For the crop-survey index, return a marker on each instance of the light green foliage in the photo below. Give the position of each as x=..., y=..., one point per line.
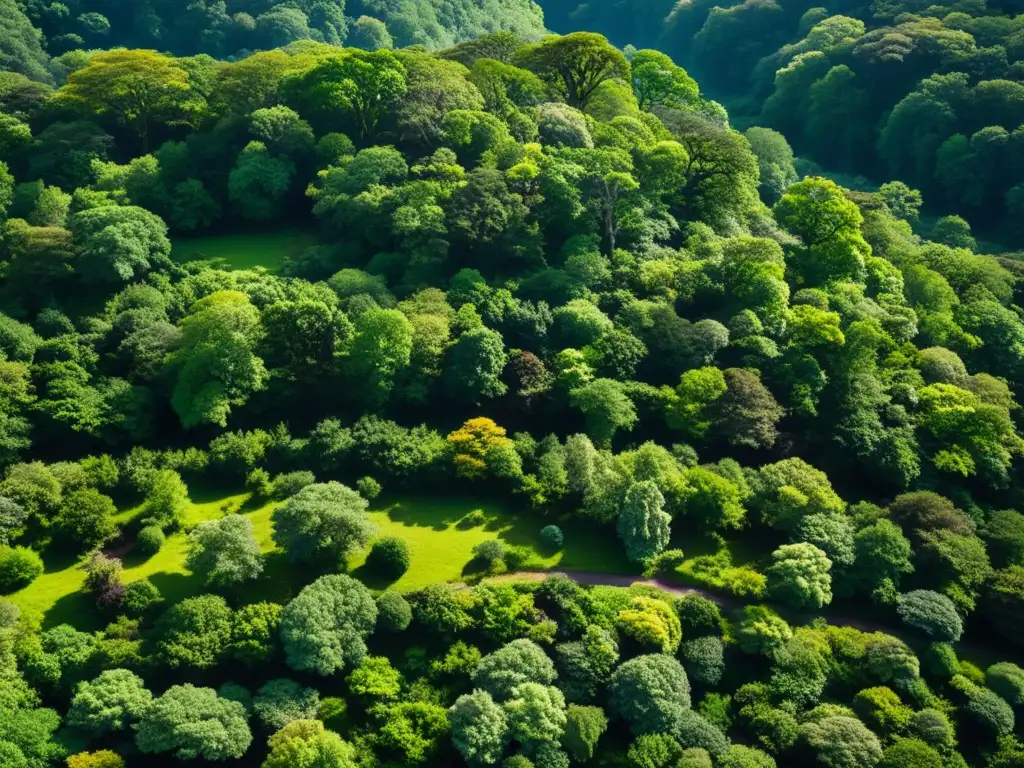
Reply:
x=307, y=744
x=643, y=526
x=215, y=367
x=762, y=630
x=114, y=699
x=254, y=632
x=224, y=552
x=195, y=632
x=583, y=729
x=194, y=723
x=375, y=679
x=799, y=575
x=324, y=518
x=842, y=742
x=479, y=728
x=652, y=623
x=323, y=628
x=517, y=662
x=535, y=714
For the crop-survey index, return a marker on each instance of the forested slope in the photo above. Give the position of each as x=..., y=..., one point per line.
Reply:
x=932, y=95
x=547, y=273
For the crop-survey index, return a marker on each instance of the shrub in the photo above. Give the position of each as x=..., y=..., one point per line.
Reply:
x=368, y=488
x=258, y=483
x=389, y=557
x=694, y=730
x=281, y=701
x=141, y=597
x=490, y=553
x=19, y=567
x=473, y=519
x=931, y=613
x=290, y=483
x=699, y=616
x=985, y=707
x=1007, y=680
x=150, y=540
x=939, y=659
x=704, y=659
x=932, y=727
x=552, y=538
x=910, y=753
x=394, y=613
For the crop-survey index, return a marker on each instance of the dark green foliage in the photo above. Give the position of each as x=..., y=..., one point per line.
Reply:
x=150, y=539
x=389, y=557
x=393, y=612
x=650, y=693
x=551, y=537
x=931, y=613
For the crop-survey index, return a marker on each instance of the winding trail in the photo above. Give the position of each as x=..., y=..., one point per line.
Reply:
x=728, y=602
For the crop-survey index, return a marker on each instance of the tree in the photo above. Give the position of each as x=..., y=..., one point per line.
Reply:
x=842, y=742
x=86, y=519
x=762, y=630
x=583, y=729
x=931, y=613
x=535, y=714
x=307, y=744
x=910, y=753
x=477, y=361
x=693, y=730
x=215, y=366
x=282, y=701
x=389, y=557
x=254, y=629
x=259, y=182
x=658, y=82
x=1007, y=680
x=323, y=629
x=650, y=622
x=1004, y=537
x=586, y=664
x=110, y=702
x=194, y=723
x=479, y=728
x=224, y=552
x=605, y=407
x=984, y=707
x=195, y=632
x=520, y=661
x=704, y=659
x=322, y=519
x=137, y=88
x=799, y=575
x=643, y=524
x=576, y=63
x=19, y=567
x=375, y=679
x=381, y=350
x=119, y=243
x=363, y=85
x=370, y=34
x=649, y=693
x=166, y=500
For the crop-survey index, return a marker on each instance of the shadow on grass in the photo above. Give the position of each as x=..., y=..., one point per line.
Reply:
x=438, y=515
x=77, y=609
x=372, y=578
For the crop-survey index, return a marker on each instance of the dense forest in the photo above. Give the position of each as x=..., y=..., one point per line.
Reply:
x=559, y=316
x=930, y=94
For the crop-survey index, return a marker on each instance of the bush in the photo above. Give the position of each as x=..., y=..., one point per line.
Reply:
x=389, y=557
x=699, y=616
x=394, y=613
x=368, y=488
x=141, y=597
x=490, y=553
x=704, y=659
x=910, y=753
x=19, y=567
x=1007, y=680
x=290, y=483
x=939, y=659
x=694, y=730
x=473, y=519
x=258, y=483
x=552, y=538
x=932, y=727
x=150, y=540
x=985, y=708
x=931, y=613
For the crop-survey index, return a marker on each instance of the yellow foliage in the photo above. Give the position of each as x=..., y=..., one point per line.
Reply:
x=102, y=759
x=474, y=442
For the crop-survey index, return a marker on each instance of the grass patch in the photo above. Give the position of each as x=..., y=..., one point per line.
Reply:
x=441, y=534
x=243, y=250
x=441, y=542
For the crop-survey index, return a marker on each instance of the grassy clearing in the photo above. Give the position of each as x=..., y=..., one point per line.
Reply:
x=243, y=250
x=441, y=547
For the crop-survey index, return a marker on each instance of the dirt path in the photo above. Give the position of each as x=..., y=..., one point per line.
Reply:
x=728, y=602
